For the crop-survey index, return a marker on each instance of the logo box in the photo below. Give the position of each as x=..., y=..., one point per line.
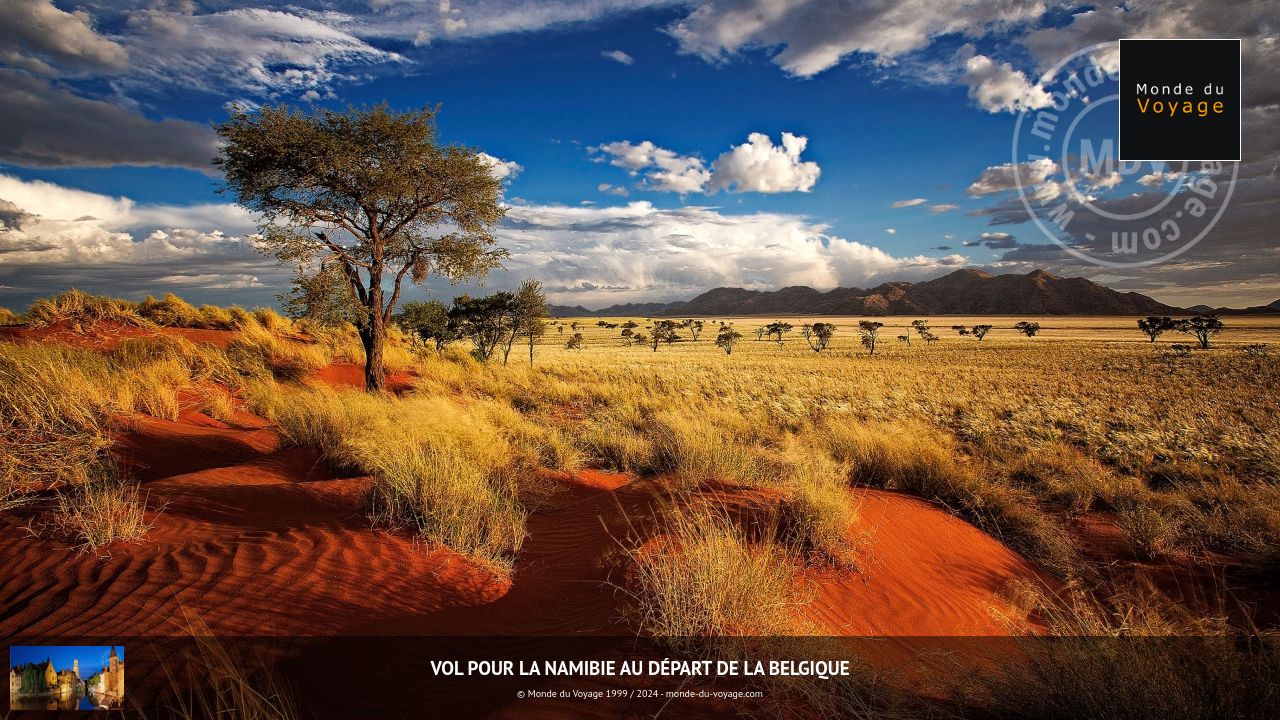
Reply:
x=1160, y=81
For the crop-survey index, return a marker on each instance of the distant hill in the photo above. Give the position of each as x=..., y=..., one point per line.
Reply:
x=624, y=310
x=963, y=292
x=1270, y=309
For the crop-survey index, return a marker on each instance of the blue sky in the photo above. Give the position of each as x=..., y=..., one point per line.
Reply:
x=92, y=657
x=645, y=149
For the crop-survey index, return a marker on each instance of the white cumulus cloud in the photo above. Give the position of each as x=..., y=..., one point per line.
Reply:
x=998, y=87
x=754, y=166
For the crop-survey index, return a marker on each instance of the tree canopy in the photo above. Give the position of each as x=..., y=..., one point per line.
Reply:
x=368, y=191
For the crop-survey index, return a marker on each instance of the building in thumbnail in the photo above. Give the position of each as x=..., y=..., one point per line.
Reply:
x=110, y=685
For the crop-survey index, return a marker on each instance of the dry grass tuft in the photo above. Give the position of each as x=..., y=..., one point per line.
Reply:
x=442, y=468
x=51, y=431
x=261, y=354
x=82, y=311
x=101, y=512
x=705, y=578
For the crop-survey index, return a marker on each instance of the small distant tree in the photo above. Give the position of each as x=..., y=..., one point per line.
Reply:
x=530, y=319
x=1203, y=327
x=818, y=335
x=664, y=331
x=960, y=329
x=639, y=338
x=1154, y=326
x=776, y=330
x=626, y=335
x=921, y=327
x=869, y=330
x=726, y=338
x=930, y=338
x=559, y=328
x=760, y=331
x=1027, y=328
x=980, y=331
x=429, y=322
x=487, y=321
x=695, y=329
x=574, y=342
x=905, y=339
x=631, y=324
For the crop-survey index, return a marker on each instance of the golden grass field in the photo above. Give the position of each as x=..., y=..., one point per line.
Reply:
x=1041, y=443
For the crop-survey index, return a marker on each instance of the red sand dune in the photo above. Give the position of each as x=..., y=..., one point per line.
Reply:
x=926, y=572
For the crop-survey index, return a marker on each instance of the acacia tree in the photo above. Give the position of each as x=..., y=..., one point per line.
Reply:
x=869, y=330
x=1154, y=326
x=1026, y=327
x=818, y=335
x=369, y=191
x=1203, y=327
x=663, y=331
x=485, y=320
x=980, y=331
x=727, y=337
x=776, y=330
x=921, y=327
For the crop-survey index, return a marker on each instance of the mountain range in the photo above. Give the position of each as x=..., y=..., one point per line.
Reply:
x=963, y=292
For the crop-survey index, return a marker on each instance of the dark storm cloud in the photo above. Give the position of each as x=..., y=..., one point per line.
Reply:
x=45, y=126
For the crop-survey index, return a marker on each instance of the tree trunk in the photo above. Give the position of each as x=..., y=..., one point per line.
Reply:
x=373, y=340
x=374, y=335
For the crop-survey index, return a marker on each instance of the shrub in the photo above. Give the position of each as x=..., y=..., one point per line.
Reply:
x=82, y=311
x=50, y=428
x=260, y=354
x=1068, y=480
x=216, y=318
x=705, y=579
x=272, y=321
x=202, y=362
x=819, y=514
x=9, y=317
x=170, y=311
x=101, y=512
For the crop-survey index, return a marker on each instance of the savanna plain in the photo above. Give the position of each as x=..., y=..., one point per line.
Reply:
x=1080, y=523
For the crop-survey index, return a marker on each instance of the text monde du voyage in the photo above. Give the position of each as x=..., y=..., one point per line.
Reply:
x=1180, y=99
